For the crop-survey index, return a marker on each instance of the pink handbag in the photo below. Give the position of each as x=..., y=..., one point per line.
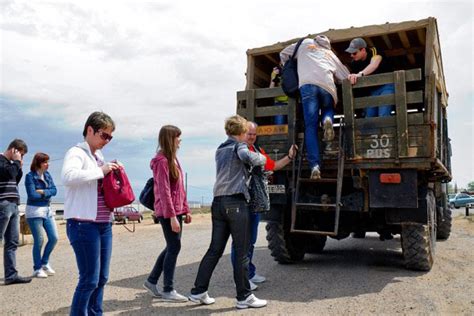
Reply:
x=117, y=189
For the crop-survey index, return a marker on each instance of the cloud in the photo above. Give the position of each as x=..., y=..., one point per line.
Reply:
x=149, y=64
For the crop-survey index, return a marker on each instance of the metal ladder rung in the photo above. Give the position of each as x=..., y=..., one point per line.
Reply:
x=316, y=204
x=313, y=232
x=321, y=180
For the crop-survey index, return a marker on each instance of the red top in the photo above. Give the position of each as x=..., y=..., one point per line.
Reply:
x=270, y=163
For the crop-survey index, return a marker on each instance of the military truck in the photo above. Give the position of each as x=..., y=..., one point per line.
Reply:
x=381, y=174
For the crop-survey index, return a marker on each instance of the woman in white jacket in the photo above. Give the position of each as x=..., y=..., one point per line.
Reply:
x=89, y=220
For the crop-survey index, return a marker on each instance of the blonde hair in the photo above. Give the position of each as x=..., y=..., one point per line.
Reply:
x=236, y=125
x=167, y=145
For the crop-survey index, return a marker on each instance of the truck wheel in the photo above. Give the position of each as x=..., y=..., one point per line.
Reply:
x=444, y=225
x=284, y=248
x=315, y=244
x=418, y=240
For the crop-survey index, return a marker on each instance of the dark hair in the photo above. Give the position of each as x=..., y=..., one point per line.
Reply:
x=18, y=144
x=98, y=120
x=38, y=159
x=166, y=137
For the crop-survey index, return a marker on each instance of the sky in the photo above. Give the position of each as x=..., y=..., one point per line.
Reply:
x=151, y=63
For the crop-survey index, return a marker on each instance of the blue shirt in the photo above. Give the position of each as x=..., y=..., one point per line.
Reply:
x=33, y=182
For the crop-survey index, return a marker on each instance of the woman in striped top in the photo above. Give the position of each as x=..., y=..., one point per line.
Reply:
x=89, y=220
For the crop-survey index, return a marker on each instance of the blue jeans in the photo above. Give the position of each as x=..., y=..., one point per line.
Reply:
x=383, y=110
x=280, y=119
x=315, y=99
x=166, y=261
x=10, y=231
x=254, y=219
x=92, y=244
x=36, y=226
x=230, y=216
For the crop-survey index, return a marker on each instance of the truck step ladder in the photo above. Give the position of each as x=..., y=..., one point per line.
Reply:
x=298, y=205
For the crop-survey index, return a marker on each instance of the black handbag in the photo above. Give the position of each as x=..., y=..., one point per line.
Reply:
x=289, y=74
x=258, y=190
x=147, y=196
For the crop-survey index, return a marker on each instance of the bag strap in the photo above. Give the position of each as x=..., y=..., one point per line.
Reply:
x=296, y=48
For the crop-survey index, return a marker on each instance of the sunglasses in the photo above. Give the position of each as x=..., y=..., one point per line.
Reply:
x=105, y=136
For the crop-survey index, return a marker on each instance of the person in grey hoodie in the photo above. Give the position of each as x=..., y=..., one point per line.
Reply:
x=318, y=67
x=230, y=215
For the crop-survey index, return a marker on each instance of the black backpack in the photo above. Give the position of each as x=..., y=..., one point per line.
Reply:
x=147, y=196
x=289, y=74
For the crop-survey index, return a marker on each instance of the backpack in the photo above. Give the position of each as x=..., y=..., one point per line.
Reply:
x=289, y=74
x=117, y=189
x=258, y=190
x=147, y=196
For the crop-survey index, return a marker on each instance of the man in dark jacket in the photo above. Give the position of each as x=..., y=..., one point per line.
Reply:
x=11, y=162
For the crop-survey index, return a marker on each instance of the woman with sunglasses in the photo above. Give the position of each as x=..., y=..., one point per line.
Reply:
x=40, y=188
x=89, y=220
x=171, y=208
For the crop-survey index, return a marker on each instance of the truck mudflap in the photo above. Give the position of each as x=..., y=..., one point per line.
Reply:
x=393, y=188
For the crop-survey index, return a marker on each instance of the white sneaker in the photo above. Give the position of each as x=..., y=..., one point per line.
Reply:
x=40, y=273
x=202, y=298
x=253, y=286
x=47, y=268
x=173, y=296
x=258, y=278
x=251, y=301
x=152, y=288
x=328, y=130
x=315, y=172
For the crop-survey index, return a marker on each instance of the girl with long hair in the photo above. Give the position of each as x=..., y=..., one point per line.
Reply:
x=171, y=208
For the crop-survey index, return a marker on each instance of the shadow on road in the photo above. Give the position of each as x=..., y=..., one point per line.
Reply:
x=346, y=268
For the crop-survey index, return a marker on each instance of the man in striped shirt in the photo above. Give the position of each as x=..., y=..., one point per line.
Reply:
x=11, y=162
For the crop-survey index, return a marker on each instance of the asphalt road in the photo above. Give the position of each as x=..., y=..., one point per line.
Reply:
x=352, y=276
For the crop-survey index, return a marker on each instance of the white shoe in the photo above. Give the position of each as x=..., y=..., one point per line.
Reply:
x=152, y=288
x=47, y=268
x=253, y=286
x=202, y=298
x=315, y=172
x=40, y=273
x=258, y=278
x=328, y=130
x=173, y=296
x=251, y=301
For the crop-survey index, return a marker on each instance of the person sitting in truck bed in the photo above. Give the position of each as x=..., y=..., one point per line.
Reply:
x=279, y=100
x=368, y=61
x=317, y=67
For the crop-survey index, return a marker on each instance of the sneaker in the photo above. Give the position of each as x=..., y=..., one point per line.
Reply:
x=258, y=278
x=202, y=298
x=251, y=301
x=315, y=172
x=152, y=288
x=18, y=280
x=253, y=286
x=47, y=268
x=328, y=130
x=40, y=273
x=173, y=296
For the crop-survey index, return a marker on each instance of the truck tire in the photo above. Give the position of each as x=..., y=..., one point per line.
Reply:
x=419, y=240
x=283, y=247
x=444, y=225
x=315, y=244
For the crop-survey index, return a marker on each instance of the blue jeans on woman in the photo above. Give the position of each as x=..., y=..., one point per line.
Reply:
x=37, y=224
x=383, y=110
x=166, y=261
x=315, y=99
x=92, y=244
x=230, y=216
x=254, y=219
